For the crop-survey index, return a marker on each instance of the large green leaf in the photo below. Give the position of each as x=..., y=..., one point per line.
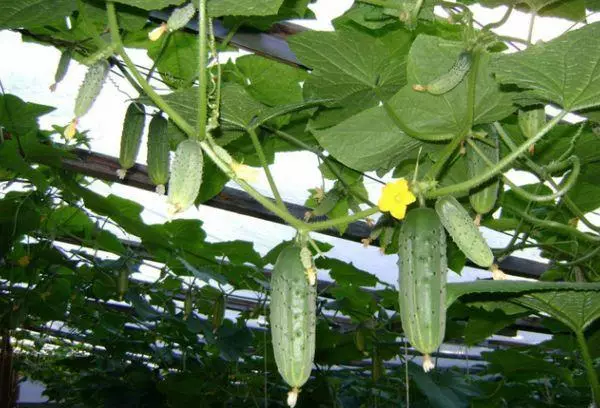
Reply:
x=429, y=58
x=33, y=13
x=565, y=71
x=151, y=4
x=368, y=141
x=350, y=65
x=178, y=62
x=18, y=116
x=456, y=290
x=586, y=193
x=576, y=309
x=218, y=8
x=518, y=366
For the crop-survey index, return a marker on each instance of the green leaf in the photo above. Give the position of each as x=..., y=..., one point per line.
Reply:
x=178, y=63
x=517, y=366
x=456, y=290
x=576, y=309
x=429, y=58
x=438, y=396
x=218, y=8
x=568, y=9
x=350, y=65
x=18, y=116
x=368, y=141
x=586, y=193
x=565, y=71
x=483, y=324
x=346, y=273
x=33, y=13
x=269, y=81
x=151, y=4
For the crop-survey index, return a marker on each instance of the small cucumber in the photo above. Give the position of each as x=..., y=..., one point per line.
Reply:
x=484, y=197
x=218, y=312
x=123, y=283
x=463, y=231
x=91, y=87
x=131, y=137
x=530, y=122
x=158, y=153
x=422, y=275
x=181, y=16
x=62, y=68
x=293, y=320
x=186, y=176
x=448, y=81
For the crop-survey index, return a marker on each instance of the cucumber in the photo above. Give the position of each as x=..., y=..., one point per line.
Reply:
x=530, y=122
x=483, y=198
x=293, y=320
x=91, y=87
x=123, y=283
x=450, y=80
x=62, y=68
x=131, y=137
x=159, y=152
x=463, y=231
x=186, y=176
x=422, y=281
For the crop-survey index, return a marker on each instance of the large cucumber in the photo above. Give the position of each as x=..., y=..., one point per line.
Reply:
x=422, y=281
x=293, y=320
x=484, y=197
x=463, y=231
x=186, y=176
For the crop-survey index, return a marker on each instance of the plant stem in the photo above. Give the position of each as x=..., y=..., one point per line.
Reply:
x=472, y=88
x=263, y=160
x=544, y=176
x=531, y=24
x=202, y=77
x=500, y=22
x=156, y=98
x=498, y=167
x=589, y=367
x=318, y=226
x=381, y=3
x=438, y=166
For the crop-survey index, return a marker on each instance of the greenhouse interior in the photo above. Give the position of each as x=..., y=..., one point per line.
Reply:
x=310, y=203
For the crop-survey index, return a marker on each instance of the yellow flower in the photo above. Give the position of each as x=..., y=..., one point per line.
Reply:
x=157, y=32
x=244, y=172
x=395, y=197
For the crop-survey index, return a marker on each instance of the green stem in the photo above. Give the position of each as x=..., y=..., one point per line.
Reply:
x=263, y=160
x=589, y=367
x=202, y=77
x=544, y=176
x=381, y=3
x=156, y=98
x=583, y=258
x=438, y=166
x=472, y=87
x=563, y=188
x=498, y=167
x=318, y=226
x=500, y=22
x=554, y=226
x=264, y=201
x=161, y=52
x=531, y=24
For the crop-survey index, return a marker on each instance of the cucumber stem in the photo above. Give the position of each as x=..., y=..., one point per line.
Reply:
x=263, y=161
x=589, y=367
x=200, y=133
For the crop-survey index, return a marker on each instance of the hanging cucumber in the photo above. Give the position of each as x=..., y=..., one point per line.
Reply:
x=484, y=197
x=123, y=283
x=293, y=320
x=422, y=281
x=463, y=231
x=62, y=68
x=131, y=137
x=87, y=94
x=177, y=20
x=448, y=81
x=218, y=312
x=186, y=176
x=158, y=153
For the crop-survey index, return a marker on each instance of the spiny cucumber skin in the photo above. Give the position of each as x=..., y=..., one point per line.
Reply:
x=448, y=81
x=181, y=16
x=186, y=176
x=483, y=198
x=463, y=231
x=158, y=151
x=91, y=87
x=293, y=318
x=131, y=136
x=423, y=268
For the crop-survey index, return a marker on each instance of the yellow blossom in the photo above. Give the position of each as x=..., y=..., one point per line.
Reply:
x=24, y=261
x=157, y=32
x=244, y=172
x=395, y=197
x=71, y=129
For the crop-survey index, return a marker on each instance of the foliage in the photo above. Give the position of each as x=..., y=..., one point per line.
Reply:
x=162, y=336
